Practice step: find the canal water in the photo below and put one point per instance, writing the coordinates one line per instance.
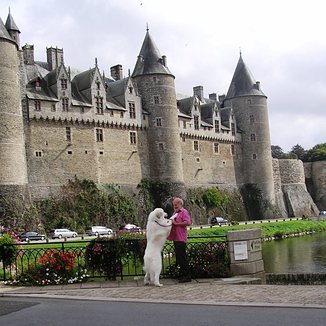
(303, 254)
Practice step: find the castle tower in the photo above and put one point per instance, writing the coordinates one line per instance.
(249, 105)
(13, 171)
(155, 84)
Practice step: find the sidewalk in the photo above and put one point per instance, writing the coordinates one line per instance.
(229, 291)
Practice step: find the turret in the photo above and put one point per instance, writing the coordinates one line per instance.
(13, 171)
(12, 29)
(249, 105)
(155, 84)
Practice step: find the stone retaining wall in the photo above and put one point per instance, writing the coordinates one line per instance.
(296, 279)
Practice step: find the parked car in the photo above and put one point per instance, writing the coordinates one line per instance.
(98, 230)
(322, 213)
(31, 236)
(219, 221)
(131, 228)
(62, 233)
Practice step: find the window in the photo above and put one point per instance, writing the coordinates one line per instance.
(198, 159)
(196, 145)
(99, 104)
(144, 117)
(233, 128)
(216, 148)
(232, 149)
(82, 109)
(133, 137)
(161, 146)
(249, 101)
(53, 109)
(121, 114)
(111, 113)
(155, 79)
(251, 118)
(130, 89)
(252, 137)
(183, 138)
(38, 153)
(184, 125)
(254, 156)
(159, 122)
(65, 103)
(98, 85)
(156, 99)
(132, 110)
(37, 105)
(69, 152)
(68, 134)
(64, 83)
(217, 126)
(99, 135)
(196, 122)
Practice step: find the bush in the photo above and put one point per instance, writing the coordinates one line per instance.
(206, 260)
(8, 246)
(107, 256)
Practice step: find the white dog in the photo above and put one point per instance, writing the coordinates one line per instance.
(157, 230)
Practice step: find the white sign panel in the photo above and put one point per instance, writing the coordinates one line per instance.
(240, 250)
(255, 245)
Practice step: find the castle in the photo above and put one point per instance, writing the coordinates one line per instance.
(57, 123)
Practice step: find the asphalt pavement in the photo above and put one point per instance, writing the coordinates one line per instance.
(234, 291)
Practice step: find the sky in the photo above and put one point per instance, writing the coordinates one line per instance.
(282, 42)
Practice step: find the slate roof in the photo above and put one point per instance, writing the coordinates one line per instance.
(10, 24)
(243, 83)
(4, 33)
(150, 60)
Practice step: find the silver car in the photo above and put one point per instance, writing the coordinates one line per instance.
(98, 230)
(62, 233)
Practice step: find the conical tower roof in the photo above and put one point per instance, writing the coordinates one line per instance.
(243, 83)
(150, 60)
(10, 24)
(4, 33)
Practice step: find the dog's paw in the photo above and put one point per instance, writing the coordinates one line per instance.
(173, 216)
(158, 284)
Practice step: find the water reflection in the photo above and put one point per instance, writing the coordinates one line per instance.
(306, 254)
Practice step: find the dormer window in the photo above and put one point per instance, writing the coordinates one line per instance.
(233, 129)
(37, 105)
(99, 104)
(130, 89)
(132, 110)
(98, 85)
(64, 83)
(196, 122)
(65, 103)
(217, 126)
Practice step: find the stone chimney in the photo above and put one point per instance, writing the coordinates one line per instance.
(213, 96)
(117, 72)
(221, 98)
(28, 54)
(54, 57)
(199, 92)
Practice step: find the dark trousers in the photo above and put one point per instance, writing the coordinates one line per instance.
(181, 258)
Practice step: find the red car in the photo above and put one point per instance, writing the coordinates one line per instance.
(131, 228)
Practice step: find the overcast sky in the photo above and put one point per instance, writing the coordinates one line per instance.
(282, 42)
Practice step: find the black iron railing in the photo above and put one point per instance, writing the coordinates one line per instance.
(108, 258)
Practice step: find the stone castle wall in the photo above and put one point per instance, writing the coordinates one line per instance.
(315, 173)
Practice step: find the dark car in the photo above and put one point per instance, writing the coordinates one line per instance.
(219, 221)
(322, 213)
(31, 236)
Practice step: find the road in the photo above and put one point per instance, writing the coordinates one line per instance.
(37, 311)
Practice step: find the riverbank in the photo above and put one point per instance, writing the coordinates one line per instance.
(276, 229)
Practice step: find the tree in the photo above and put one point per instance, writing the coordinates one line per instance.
(299, 151)
(215, 198)
(317, 153)
(277, 151)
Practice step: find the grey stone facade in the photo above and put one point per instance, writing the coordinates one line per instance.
(63, 123)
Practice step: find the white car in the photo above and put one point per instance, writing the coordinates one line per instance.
(98, 230)
(62, 233)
